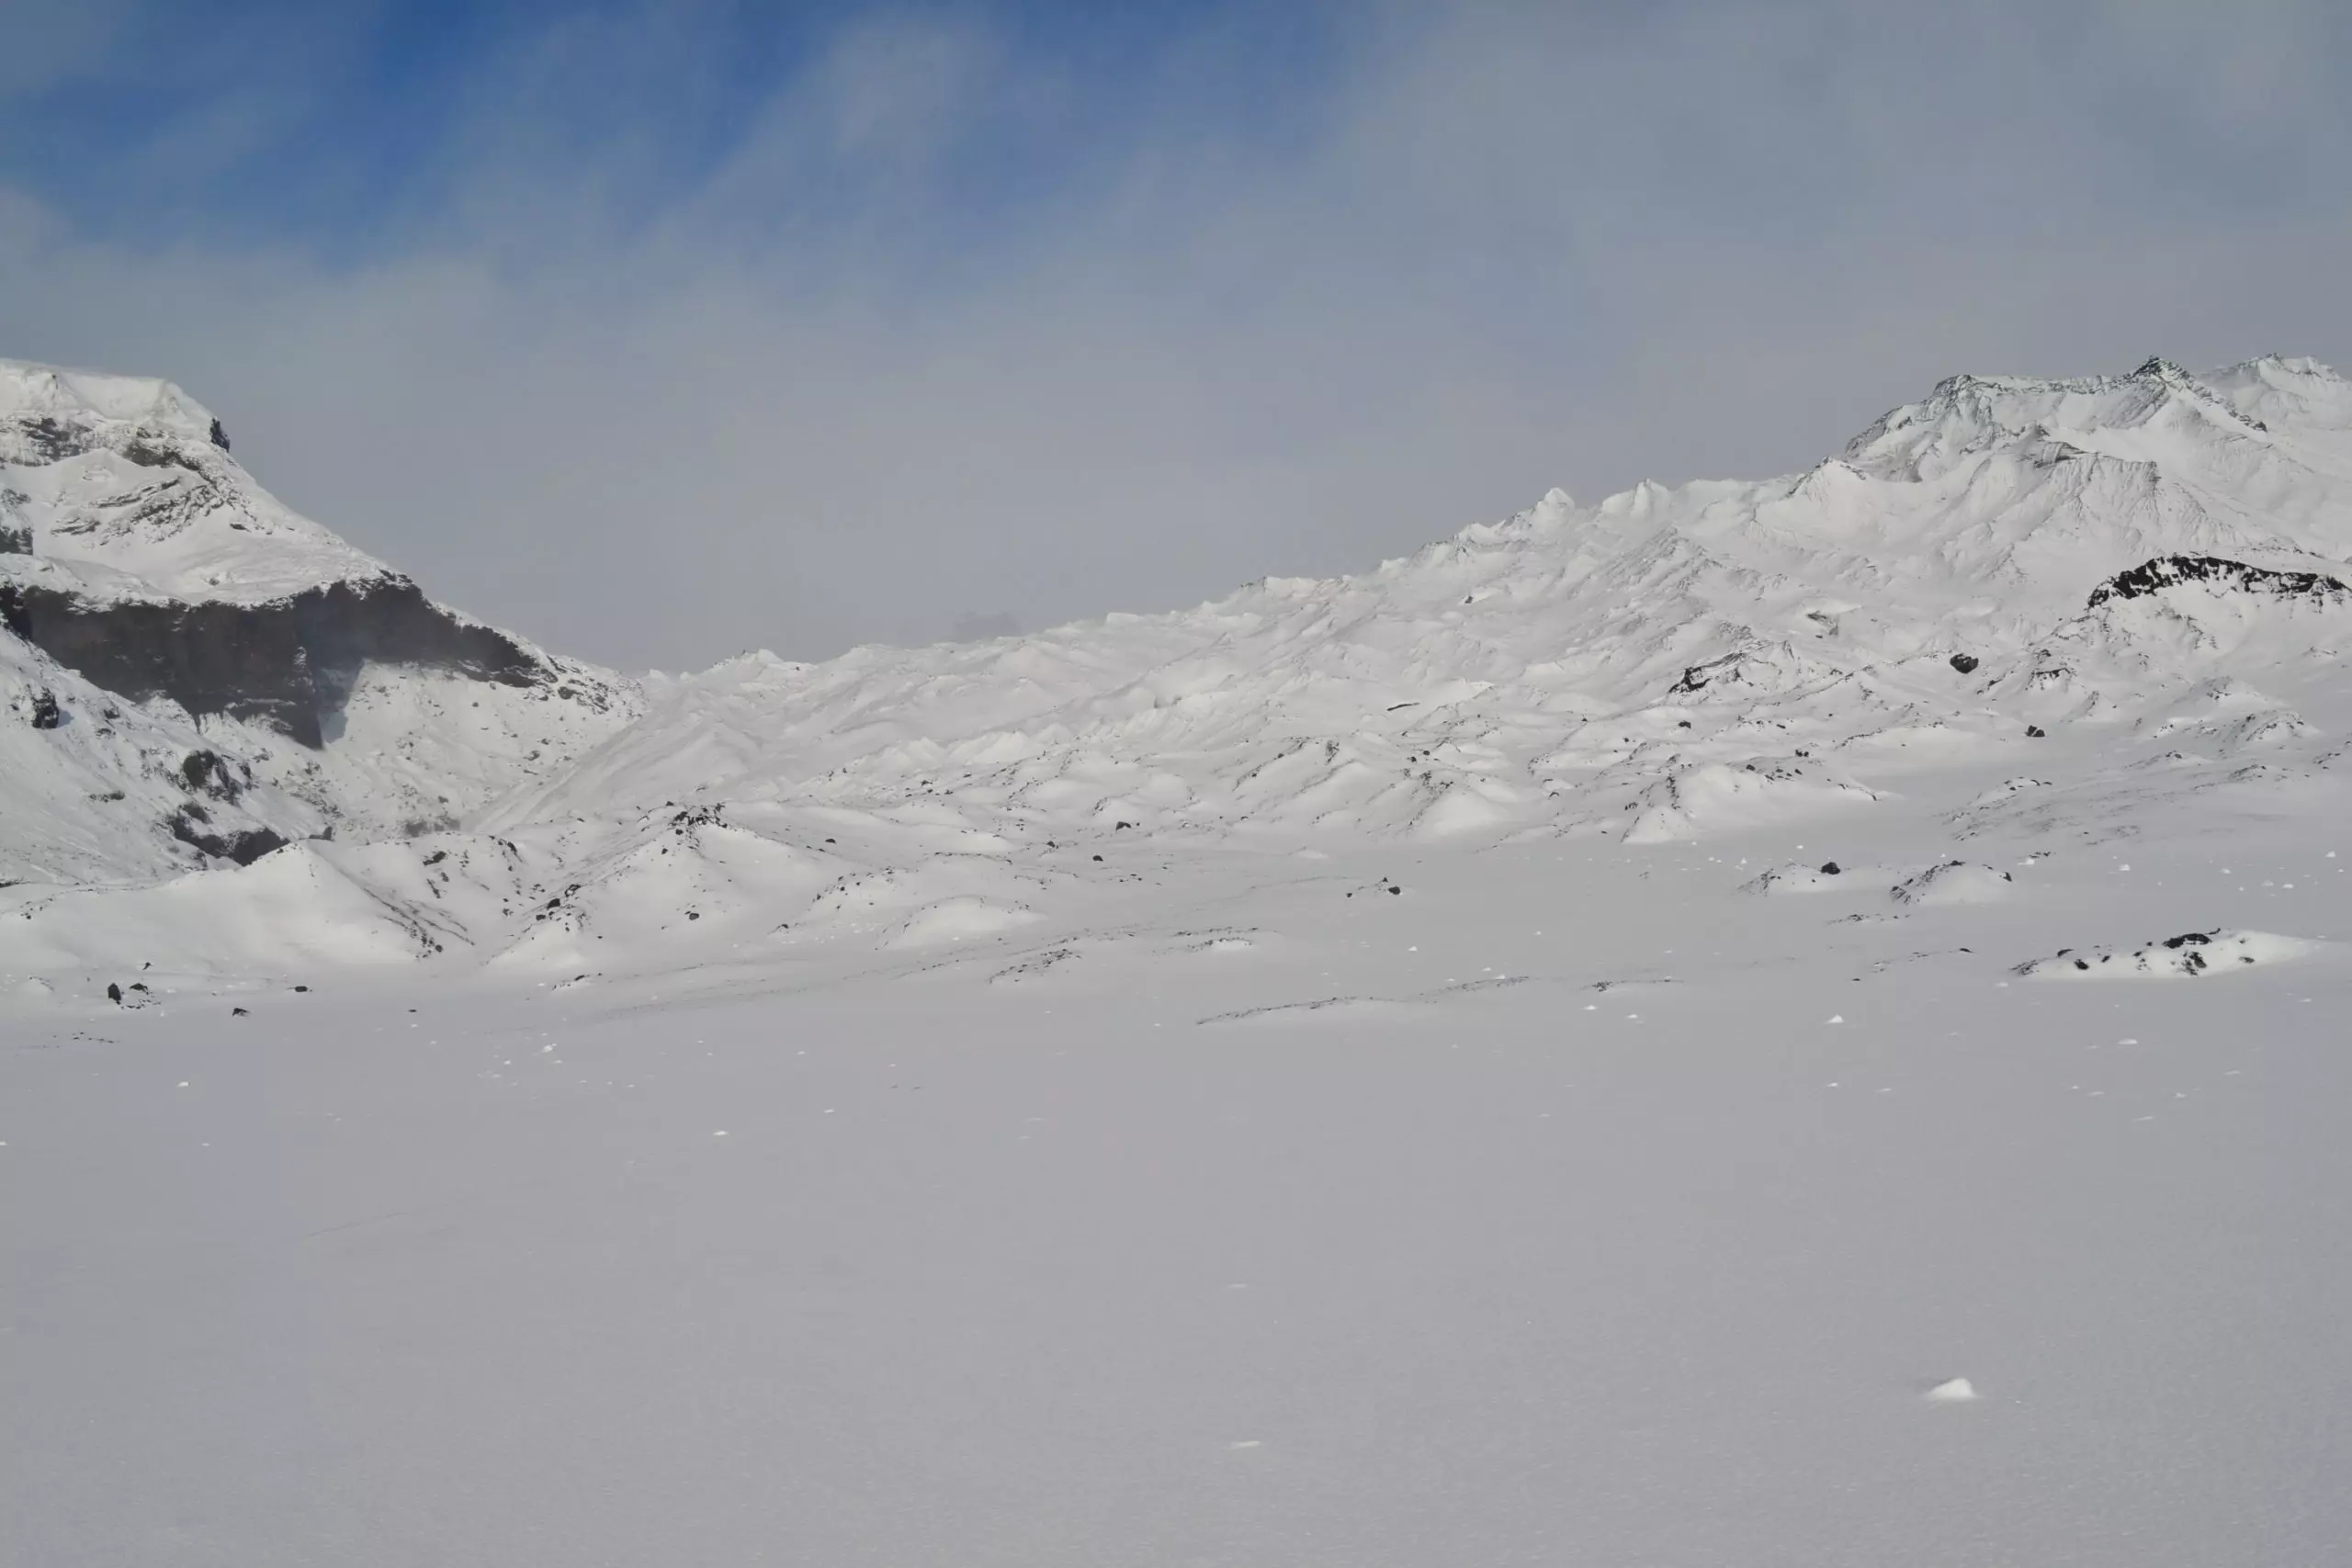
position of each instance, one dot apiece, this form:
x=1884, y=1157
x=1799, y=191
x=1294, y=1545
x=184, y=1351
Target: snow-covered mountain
x=196, y=673
x=2036, y=605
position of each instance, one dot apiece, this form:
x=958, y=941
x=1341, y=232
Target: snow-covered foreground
x=1577, y=1202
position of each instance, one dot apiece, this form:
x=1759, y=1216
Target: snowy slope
x=126, y=490
x=1506, y=677
x=2127, y=589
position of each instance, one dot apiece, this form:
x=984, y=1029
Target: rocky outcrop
x=2164, y=572
x=192, y=825
x=287, y=663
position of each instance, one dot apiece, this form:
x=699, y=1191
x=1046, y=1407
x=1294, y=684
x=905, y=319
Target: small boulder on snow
x=1787, y=879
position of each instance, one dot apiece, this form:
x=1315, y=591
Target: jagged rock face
x=286, y=664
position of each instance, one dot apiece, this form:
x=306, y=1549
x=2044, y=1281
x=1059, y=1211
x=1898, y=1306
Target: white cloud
x=791, y=403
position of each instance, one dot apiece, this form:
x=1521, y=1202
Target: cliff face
x=286, y=664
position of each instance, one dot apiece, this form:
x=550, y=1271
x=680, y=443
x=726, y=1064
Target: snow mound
x=1830, y=876
x=1322, y=1010
x=962, y=918
x=1704, y=797
x=1954, y=882
x=304, y=906
x=2189, y=953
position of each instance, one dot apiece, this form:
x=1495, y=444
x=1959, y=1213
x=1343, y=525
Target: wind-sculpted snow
x=2117, y=592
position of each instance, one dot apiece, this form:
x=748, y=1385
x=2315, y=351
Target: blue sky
x=346, y=129
x=659, y=331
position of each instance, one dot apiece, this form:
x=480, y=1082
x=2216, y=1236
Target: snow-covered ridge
x=49, y=391
x=123, y=489
x=2065, y=579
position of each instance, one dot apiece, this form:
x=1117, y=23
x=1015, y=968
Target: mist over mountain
x=2116, y=588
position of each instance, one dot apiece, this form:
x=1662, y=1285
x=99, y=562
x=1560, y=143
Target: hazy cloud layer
x=653, y=350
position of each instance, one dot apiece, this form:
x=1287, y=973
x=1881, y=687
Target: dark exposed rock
x=288, y=664
x=191, y=826
x=206, y=771
x=153, y=454
x=114, y=993
x=2163, y=571
x=1831, y=868
x=220, y=437
x=47, y=714
x=1696, y=677
x=2035, y=732
x=1965, y=663
x=45, y=440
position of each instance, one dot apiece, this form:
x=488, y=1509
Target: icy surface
x=1220, y=1217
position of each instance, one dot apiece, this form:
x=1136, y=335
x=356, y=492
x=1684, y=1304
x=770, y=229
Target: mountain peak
x=30, y=390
